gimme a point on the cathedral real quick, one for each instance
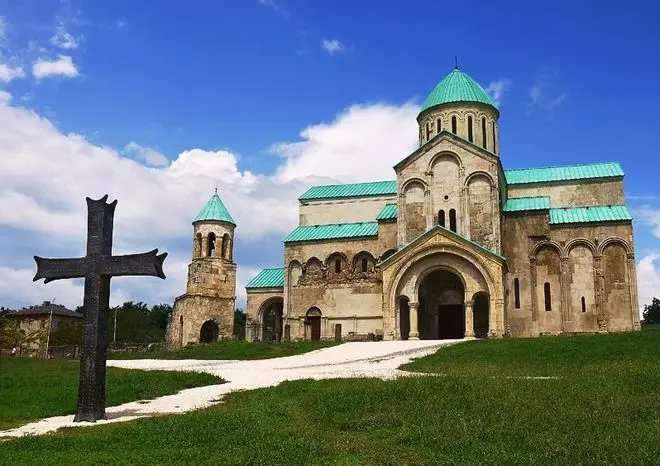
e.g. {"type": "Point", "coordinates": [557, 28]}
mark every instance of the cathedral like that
{"type": "Point", "coordinates": [454, 246]}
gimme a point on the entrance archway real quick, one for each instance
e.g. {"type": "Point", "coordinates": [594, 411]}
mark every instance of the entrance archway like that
{"type": "Point", "coordinates": [404, 317]}
{"type": "Point", "coordinates": [441, 313]}
{"type": "Point", "coordinates": [271, 328]}
{"type": "Point", "coordinates": [480, 319]}
{"type": "Point", "coordinates": [314, 322]}
{"type": "Point", "coordinates": [209, 332]}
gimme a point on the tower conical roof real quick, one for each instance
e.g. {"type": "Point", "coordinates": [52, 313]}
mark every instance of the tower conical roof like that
{"type": "Point", "coordinates": [456, 87]}
{"type": "Point", "coordinates": [214, 210]}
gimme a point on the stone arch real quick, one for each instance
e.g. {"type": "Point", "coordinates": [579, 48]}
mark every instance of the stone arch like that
{"type": "Point", "coordinates": [209, 331]}
{"type": "Point", "coordinates": [547, 243]}
{"type": "Point", "coordinates": [270, 316]}
{"type": "Point", "coordinates": [582, 284]}
{"type": "Point", "coordinates": [481, 211]}
{"type": "Point", "coordinates": [226, 246]}
{"type": "Point", "coordinates": [444, 154]}
{"type": "Point", "coordinates": [199, 248]}
{"type": "Point", "coordinates": [614, 240]}
{"type": "Point", "coordinates": [478, 173]}
{"type": "Point", "coordinates": [480, 314]}
{"type": "Point", "coordinates": [210, 245]}
{"type": "Point", "coordinates": [441, 299]}
{"type": "Point", "coordinates": [580, 242]}
{"type": "Point", "coordinates": [402, 316]}
{"type": "Point", "coordinates": [548, 287]}
{"type": "Point", "coordinates": [313, 272]}
{"type": "Point", "coordinates": [359, 263]}
{"type": "Point", "coordinates": [336, 264]}
{"type": "Point", "coordinates": [387, 254]}
{"type": "Point", "coordinates": [413, 180]}
{"type": "Point", "coordinates": [295, 271]}
{"type": "Point", "coordinates": [414, 203]}
{"type": "Point", "coordinates": [313, 320]}
{"type": "Point", "coordinates": [617, 302]}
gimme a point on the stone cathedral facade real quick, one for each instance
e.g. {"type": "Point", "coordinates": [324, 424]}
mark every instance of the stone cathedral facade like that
{"type": "Point", "coordinates": [455, 245]}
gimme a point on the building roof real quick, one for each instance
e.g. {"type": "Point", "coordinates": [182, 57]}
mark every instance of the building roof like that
{"type": "Point", "coordinates": [214, 210]}
{"type": "Point", "coordinates": [563, 173]}
{"type": "Point", "coordinates": [519, 204]}
{"type": "Point", "coordinates": [268, 278]}
{"type": "Point", "coordinates": [374, 188]}
{"type": "Point", "coordinates": [388, 212]}
{"type": "Point", "coordinates": [612, 213]}
{"type": "Point", "coordinates": [333, 231]}
{"type": "Point", "coordinates": [456, 87]}
{"type": "Point", "coordinates": [44, 309]}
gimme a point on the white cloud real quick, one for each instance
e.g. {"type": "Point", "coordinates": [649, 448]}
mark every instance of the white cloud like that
{"type": "Point", "coordinates": [496, 89]}
{"type": "Point", "coordinates": [332, 46]}
{"type": "Point", "coordinates": [269, 3]}
{"type": "Point", "coordinates": [7, 73]}
{"type": "Point", "coordinates": [121, 23]}
{"type": "Point", "coordinates": [649, 216]}
{"type": "Point", "coordinates": [648, 279]}
{"type": "Point", "coordinates": [4, 26]}
{"type": "Point", "coordinates": [64, 40]}
{"type": "Point", "coordinates": [5, 98]}
{"type": "Point", "coordinates": [352, 148]}
{"type": "Point", "coordinates": [63, 66]}
{"type": "Point", "coordinates": [151, 157]}
{"type": "Point", "coordinates": [47, 175]}
{"type": "Point", "coordinates": [546, 94]}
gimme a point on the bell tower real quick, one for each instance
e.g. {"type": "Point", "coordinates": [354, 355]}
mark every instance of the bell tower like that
{"type": "Point", "coordinates": [205, 312]}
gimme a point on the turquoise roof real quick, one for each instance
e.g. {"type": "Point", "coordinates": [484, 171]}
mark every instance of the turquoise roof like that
{"type": "Point", "coordinates": [456, 87]}
{"type": "Point", "coordinates": [214, 210]}
{"type": "Point", "coordinates": [375, 188]}
{"type": "Point", "coordinates": [334, 231]}
{"type": "Point", "coordinates": [612, 213]}
{"type": "Point", "coordinates": [388, 212]}
{"type": "Point", "coordinates": [527, 203]}
{"type": "Point", "coordinates": [563, 173]}
{"type": "Point", "coordinates": [268, 278]}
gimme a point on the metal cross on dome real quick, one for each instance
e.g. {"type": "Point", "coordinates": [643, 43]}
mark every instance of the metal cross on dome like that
{"type": "Point", "coordinates": [97, 268]}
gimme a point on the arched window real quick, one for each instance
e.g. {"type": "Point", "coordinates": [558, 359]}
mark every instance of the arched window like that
{"type": "Point", "coordinates": [453, 124]}
{"type": "Point", "coordinates": [439, 125]}
{"type": "Point", "coordinates": [516, 293]}
{"type": "Point", "coordinates": [441, 218]}
{"type": "Point", "coordinates": [452, 220]}
{"type": "Point", "coordinates": [470, 135]}
{"type": "Point", "coordinates": [337, 265]}
{"type": "Point", "coordinates": [494, 139]}
{"type": "Point", "coordinates": [546, 295]}
{"type": "Point", "coordinates": [365, 265]}
{"type": "Point", "coordinates": [584, 304]}
{"type": "Point", "coordinates": [211, 245]}
{"type": "Point", "coordinates": [484, 137]}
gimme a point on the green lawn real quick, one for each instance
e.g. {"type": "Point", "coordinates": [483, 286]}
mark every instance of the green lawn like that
{"type": "Point", "coordinates": [31, 388]}
{"type": "Point", "coordinates": [232, 349]}
{"type": "Point", "coordinates": [603, 408]}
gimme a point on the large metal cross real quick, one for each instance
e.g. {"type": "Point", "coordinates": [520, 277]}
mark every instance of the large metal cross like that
{"type": "Point", "coordinates": [97, 267]}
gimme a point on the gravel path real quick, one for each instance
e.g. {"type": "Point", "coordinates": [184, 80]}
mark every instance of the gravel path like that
{"type": "Point", "coordinates": [349, 360]}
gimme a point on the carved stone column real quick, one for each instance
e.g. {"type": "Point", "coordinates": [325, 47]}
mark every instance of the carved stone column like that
{"type": "Point", "coordinates": [632, 284]}
{"type": "Point", "coordinates": [401, 223]}
{"type": "Point", "coordinates": [532, 274]}
{"type": "Point", "coordinates": [414, 328]}
{"type": "Point", "coordinates": [465, 212]}
{"type": "Point", "coordinates": [494, 196]}
{"type": "Point", "coordinates": [564, 280]}
{"type": "Point", "coordinates": [427, 209]}
{"type": "Point", "coordinates": [469, 319]}
{"type": "Point", "coordinates": [601, 305]}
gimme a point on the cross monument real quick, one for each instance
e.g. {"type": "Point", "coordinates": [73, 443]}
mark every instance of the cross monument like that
{"type": "Point", "coordinates": [97, 267]}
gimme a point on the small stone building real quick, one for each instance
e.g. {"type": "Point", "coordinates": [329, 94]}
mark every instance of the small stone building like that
{"type": "Point", "coordinates": [205, 312]}
{"type": "Point", "coordinates": [36, 320]}
{"type": "Point", "coordinates": [455, 245]}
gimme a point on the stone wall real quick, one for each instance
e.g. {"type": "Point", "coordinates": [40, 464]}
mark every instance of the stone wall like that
{"type": "Point", "coordinates": [191, 311]}
{"type": "Point", "coordinates": [574, 193]}
{"type": "Point", "coordinates": [323, 212]}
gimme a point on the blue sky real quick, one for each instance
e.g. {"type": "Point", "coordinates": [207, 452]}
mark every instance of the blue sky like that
{"type": "Point", "coordinates": [281, 89]}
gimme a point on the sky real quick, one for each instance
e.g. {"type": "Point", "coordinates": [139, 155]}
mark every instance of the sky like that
{"type": "Point", "coordinates": [157, 103]}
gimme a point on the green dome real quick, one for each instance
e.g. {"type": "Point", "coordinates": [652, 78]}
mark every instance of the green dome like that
{"type": "Point", "coordinates": [214, 210]}
{"type": "Point", "coordinates": [456, 87]}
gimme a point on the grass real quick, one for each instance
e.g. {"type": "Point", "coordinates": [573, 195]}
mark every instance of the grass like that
{"type": "Point", "coordinates": [232, 349]}
{"type": "Point", "coordinates": [603, 408]}
{"type": "Point", "coordinates": [31, 388]}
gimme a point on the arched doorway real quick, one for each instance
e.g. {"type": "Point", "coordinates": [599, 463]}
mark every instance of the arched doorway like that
{"type": "Point", "coordinates": [314, 322]}
{"type": "Point", "coordinates": [404, 317]}
{"type": "Point", "coordinates": [271, 328]}
{"type": "Point", "coordinates": [441, 312]}
{"type": "Point", "coordinates": [209, 332]}
{"type": "Point", "coordinates": [480, 311]}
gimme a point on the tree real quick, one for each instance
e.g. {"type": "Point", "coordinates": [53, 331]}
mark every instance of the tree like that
{"type": "Point", "coordinates": [69, 334]}
{"type": "Point", "coordinates": [239, 323]}
{"type": "Point", "coordinates": [160, 314]}
{"type": "Point", "coordinates": [651, 312]}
